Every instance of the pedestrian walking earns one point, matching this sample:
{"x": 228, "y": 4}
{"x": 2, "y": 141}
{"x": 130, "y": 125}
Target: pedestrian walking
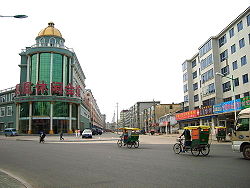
{"x": 61, "y": 136}
{"x": 42, "y": 136}
{"x": 78, "y": 132}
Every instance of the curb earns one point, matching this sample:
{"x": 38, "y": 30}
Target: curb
{"x": 21, "y": 181}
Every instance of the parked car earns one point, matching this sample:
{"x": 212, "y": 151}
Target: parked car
{"x": 10, "y": 132}
{"x": 94, "y": 131}
{"x": 87, "y": 133}
{"x": 99, "y": 131}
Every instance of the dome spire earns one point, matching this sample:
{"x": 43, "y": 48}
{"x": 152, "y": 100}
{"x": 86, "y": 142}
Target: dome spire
{"x": 51, "y": 24}
{"x": 50, "y": 30}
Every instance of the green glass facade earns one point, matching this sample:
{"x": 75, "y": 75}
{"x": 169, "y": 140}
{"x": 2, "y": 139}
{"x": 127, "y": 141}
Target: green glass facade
{"x": 44, "y": 68}
{"x": 57, "y": 75}
{"x": 33, "y": 68}
{"x": 41, "y": 108}
{"x": 61, "y": 109}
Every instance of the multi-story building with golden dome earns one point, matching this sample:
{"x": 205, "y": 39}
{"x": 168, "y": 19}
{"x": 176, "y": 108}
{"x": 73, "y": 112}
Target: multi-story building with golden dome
{"x": 50, "y": 95}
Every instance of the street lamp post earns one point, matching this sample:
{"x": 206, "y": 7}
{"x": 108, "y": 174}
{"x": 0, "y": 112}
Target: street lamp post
{"x": 16, "y": 16}
{"x": 233, "y": 80}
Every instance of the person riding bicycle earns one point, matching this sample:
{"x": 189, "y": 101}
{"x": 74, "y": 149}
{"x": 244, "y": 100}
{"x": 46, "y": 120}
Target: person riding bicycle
{"x": 187, "y": 136}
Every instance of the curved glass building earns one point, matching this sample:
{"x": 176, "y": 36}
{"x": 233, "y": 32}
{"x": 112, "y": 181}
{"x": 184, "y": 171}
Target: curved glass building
{"x": 50, "y": 94}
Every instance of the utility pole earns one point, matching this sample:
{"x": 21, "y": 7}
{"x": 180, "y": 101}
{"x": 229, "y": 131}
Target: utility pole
{"x": 117, "y": 116}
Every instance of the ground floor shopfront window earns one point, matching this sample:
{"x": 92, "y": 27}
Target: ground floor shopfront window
{"x": 40, "y": 125}
{"x": 24, "y": 126}
{"x": 60, "y": 125}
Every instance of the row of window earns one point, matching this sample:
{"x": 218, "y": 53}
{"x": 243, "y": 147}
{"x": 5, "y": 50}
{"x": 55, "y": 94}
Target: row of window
{"x": 227, "y": 86}
{"x": 207, "y": 76}
{"x": 206, "y": 62}
{"x": 9, "y": 111}
{"x": 223, "y": 39}
{"x": 7, "y": 98}
{"x": 205, "y": 48}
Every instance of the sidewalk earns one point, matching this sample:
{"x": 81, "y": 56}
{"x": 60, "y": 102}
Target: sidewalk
{"x": 106, "y": 138}
{"x": 7, "y": 181}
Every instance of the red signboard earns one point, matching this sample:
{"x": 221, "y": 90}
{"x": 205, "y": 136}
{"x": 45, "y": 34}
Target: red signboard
{"x": 41, "y": 88}
{"x": 187, "y": 115}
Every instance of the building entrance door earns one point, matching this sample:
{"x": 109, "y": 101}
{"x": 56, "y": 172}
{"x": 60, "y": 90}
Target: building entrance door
{"x": 40, "y": 125}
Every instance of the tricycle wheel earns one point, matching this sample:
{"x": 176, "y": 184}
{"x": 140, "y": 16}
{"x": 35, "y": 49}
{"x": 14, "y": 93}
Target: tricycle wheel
{"x": 246, "y": 152}
{"x": 136, "y": 144}
{"x": 205, "y": 150}
{"x": 119, "y": 143}
{"x": 195, "y": 151}
{"x": 177, "y": 148}
{"x": 129, "y": 145}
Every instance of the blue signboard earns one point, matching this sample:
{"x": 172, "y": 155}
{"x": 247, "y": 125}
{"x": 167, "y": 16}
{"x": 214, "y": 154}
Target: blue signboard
{"x": 227, "y": 106}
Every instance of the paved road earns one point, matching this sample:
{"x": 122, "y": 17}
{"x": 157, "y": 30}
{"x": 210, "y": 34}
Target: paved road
{"x": 105, "y": 165}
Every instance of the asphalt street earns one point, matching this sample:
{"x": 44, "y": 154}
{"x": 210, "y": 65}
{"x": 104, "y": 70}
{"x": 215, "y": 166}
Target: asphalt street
{"x": 65, "y": 165}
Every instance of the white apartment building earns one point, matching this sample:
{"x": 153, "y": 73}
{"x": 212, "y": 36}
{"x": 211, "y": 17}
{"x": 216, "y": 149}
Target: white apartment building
{"x": 228, "y": 54}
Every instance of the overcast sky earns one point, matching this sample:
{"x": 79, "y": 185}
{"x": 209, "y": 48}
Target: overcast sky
{"x": 129, "y": 50}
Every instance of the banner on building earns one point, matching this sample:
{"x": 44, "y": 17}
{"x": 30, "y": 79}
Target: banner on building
{"x": 187, "y": 115}
{"x": 227, "y": 106}
{"x": 245, "y": 102}
{"x": 206, "y": 110}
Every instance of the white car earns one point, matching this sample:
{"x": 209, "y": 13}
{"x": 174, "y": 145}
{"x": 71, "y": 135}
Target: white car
{"x": 87, "y": 133}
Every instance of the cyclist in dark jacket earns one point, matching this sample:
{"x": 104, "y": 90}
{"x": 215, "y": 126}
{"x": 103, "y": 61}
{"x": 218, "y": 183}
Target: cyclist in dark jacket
{"x": 187, "y": 136}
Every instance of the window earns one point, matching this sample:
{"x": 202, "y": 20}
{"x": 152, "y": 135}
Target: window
{"x": 223, "y": 56}
{"x": 194, "y": 74}
{"x": 195, "y": 86}
{"x": 235, "y": 65}
{"x": 2, "y": 111}
{"x": 193, "y": 63}
{"x": 209, "y": 102}
{"x": 206, "y": 62}
{"x": 246, "y": 94}
{"x": 196, "y": 98}
{"x": 205, "y": 48}
{"x": 231, "y": 32}
{"x": 226, "y": 86}
{"x": 233, "y": 49}
{"x": 185, "y": 77}
{"x": 207, "y": 76}
{"x": 186, "y": 109}
{"x": 184, "y": 66}
{"x": 242, "y": 43}
{"x": 240, "y": 26}
{"x": 9, "y": 111}
{"x": 227, "y": 99}
{"x": 245, "y": 78}
{"x": 225, "y": 70}
{"x": 243, "y": 60}
{"x": 186, "y": 98}
{"x": 207, "y": 90}
{"x": 243, "y": 124}
{"x": 222, "y": 40}
{"x": 185, "y": 88}
{"x": 236, "y": 82}
{"x": 248, "y": 20}
{"x": 237, "y": 96}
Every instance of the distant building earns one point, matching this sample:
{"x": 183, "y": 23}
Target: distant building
{"x": 7, "y": 109}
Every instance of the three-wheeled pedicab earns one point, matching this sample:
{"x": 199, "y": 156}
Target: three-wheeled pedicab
{"x": 198, "y": 144}
{"x": 129, "y": 137}
{"x": 220, "y": 133}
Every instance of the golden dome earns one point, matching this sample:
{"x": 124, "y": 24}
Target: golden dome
{"x": 50, "y": 31}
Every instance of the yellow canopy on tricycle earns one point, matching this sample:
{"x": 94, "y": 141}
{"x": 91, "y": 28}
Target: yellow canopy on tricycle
{"x": 197, "y": 127}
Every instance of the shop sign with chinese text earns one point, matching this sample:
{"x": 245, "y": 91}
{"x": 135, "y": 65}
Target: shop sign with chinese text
{"x": 187, "y": 115}
{"x": 227, "y": 106}
{"x": 41, "y": 88}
